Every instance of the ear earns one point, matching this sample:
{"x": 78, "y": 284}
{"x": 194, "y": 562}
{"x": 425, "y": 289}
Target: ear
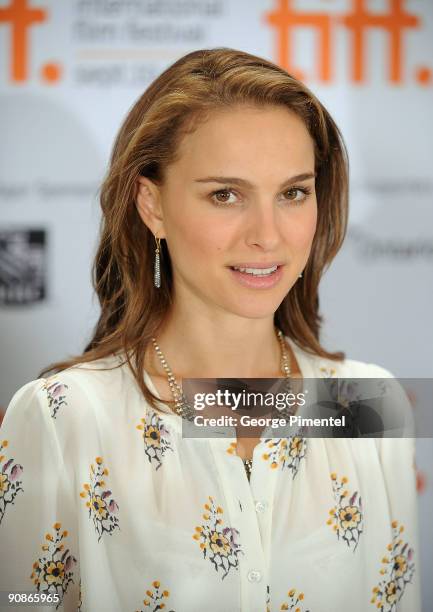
{"x": 148, "y": 203}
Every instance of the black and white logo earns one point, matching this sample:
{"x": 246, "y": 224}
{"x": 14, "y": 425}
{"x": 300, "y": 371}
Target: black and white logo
{"x": 22, "y": 266}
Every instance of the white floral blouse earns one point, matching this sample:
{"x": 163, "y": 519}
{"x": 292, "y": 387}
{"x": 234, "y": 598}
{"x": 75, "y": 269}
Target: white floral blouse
{"x": 103, "y": 503}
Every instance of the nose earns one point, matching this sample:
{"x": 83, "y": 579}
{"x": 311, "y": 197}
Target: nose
{"x": 262, "y": 230}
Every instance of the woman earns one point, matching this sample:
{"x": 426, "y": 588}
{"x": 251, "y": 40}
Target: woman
{"x": 225, "y": 200}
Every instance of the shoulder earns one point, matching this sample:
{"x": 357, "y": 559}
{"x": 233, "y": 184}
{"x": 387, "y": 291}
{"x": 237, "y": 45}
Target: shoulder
{"x": 384, "y": 390}
{"x": 352, "y": 368}
{"x": 104, "y": 375}
{"x": 316, "y": 366}
{"x": 76, "y": 391}
{"x": 76, "y": 408}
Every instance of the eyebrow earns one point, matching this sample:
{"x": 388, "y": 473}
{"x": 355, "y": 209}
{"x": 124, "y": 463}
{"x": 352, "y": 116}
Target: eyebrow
{"x": 244, "y": 183}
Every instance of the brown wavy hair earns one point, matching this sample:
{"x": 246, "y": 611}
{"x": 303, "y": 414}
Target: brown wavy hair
{"x": 132, "y": 309}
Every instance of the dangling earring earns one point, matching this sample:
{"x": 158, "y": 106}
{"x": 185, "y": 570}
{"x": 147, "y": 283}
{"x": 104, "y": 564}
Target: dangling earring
{"x": 300, "y": 275}
{"x": 157, "y": 266}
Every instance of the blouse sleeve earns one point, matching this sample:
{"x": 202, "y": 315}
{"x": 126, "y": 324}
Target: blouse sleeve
{"x": 38, "y": 525}
{"x": 401, "y": 574}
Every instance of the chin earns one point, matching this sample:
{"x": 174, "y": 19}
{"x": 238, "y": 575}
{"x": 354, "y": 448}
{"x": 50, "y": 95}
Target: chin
{"x": 254, "y": 309}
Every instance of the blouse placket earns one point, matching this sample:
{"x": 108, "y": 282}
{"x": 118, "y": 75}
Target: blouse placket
{"x": 250, "y": 509}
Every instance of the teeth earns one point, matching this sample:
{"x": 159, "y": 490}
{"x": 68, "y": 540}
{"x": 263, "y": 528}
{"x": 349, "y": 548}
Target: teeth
{"x": 257, "y": 271}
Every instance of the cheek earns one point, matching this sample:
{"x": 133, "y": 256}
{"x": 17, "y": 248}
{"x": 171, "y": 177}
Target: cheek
{"x": 195, "y": 237}
{"x": 299, "y": 230}
{"x": 311, "y": 226}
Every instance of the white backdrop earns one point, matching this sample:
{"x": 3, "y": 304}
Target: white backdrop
{"x": 68, "y": 78}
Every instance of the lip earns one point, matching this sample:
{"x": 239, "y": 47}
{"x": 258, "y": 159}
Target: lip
{"x": 259, "y": 265}
{"x": 258, "y": 282}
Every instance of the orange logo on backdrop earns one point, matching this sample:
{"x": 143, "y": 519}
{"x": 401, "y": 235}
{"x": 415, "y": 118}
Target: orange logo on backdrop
{"x": 358, "y": 20}
{"x": 21, "y": 17}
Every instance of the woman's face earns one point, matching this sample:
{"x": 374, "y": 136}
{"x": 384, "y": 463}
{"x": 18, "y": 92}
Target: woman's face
{"x": 238, "y": 224}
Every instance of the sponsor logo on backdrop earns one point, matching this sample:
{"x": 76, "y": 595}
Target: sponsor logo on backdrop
{"x": 22, "y": 266}
{"x": 370, "y": 248}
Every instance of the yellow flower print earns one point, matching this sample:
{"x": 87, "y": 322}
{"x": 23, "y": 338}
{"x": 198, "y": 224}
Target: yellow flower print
{"x": 349, "y": 517}
{"x": 4, "y": 483}
{"x": 102, "y": 507}
{"x": 156, "y": 438}
{"x": 10, "y": 481}
{"x": 53, "y": 572}
{"x": 99, "y": 506}
{"x": 154, "y": 598}
{"x": 219, "y": 544}
{"x": 397, "y": 571}
{"x": 231, "y": 450}
{"x": 296, "y": 446}
{"x": 328, "y": 372}
{"x": 152, "y": 435}
{"x": 346, "y": 516}
{"x": 391, "y": 592}
{"x": 294, "y": 599}
{"x": 400, "y": 565}
{"x": 286, "y": 453}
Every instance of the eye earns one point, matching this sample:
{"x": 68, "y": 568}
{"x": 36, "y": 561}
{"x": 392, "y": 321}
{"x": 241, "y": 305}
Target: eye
{"x": 297, "y": 194}
{"x": 222, "y": 196}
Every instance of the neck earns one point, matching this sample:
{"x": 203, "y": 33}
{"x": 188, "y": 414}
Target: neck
{"x": 219, "y": 346}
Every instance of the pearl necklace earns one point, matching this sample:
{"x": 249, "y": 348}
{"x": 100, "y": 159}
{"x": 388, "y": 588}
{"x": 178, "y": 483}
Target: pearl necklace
{"x": 184, "y": 409}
